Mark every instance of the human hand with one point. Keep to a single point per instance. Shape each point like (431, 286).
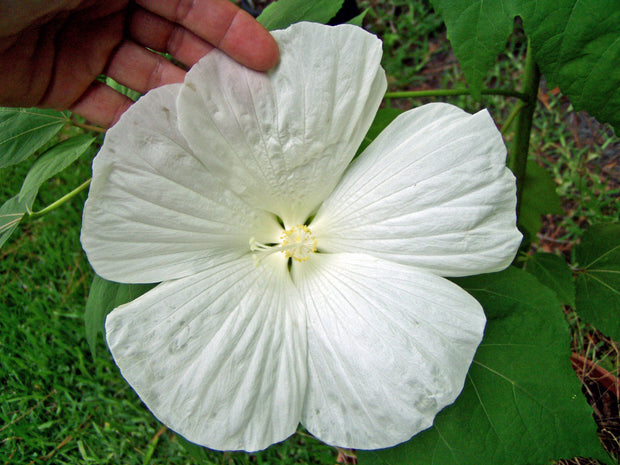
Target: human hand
(51, 52)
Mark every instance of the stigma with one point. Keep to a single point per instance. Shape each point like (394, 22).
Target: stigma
(296, 243)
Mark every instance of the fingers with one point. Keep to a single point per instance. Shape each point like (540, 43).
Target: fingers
(139, 69)
(82, 48)
(162, 35)
(249, 43)
(26, 64)
(187, 29)
(222, 24)
(101, 105)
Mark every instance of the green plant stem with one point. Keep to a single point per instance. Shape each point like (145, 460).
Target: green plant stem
(450, 92)
(88, 127)
(61, 201)
(511, 117)
(523, 126)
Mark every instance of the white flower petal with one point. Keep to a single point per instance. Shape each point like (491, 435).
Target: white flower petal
(154, 212)
(219, 357)
(282, 140)
(389, 347)
(431, 191)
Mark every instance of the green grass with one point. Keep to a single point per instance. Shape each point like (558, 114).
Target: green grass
(59, 405)
(584, 160)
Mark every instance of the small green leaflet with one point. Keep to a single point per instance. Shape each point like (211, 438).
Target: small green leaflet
(283, 13)
(359, 19)
(50, 163)
(522, 403)
(598, 279)
(23, 131)
(121, 89)
(576, 44)
(105, 296)
(54, 161)
(382, 119)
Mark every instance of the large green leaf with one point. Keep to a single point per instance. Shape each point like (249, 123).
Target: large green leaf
(576, 43)
(478, 31)
(539, 198)
(23, 131)
(553, 271)
(522, 403)
(50, 163)
(283, 13)
(105, 296)
(598, 280)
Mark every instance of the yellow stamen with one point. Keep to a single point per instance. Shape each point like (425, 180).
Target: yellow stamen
(296, 243)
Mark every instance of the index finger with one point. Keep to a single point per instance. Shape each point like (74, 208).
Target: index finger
(224, 25)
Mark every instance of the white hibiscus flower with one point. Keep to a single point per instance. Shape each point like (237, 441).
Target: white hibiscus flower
(296, 288)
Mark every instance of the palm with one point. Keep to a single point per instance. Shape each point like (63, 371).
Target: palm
(54, 62)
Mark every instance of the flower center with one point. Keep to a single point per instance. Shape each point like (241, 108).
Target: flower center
(296, 243)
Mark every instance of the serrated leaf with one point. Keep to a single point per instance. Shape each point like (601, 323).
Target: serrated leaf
(53, 161)
(576, 43)
(478, 31)
(105, 296)
(283, 13)
(553, 271)
(23, 131)
(598, 280)
(11, 214)
(539, 198)
(382, 119)
(522, 403)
